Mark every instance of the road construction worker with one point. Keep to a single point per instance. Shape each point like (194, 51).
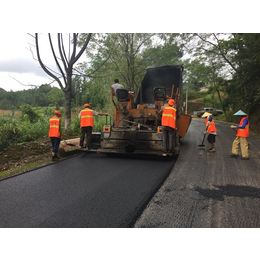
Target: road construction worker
(168, 125)
(55, 133)
(241, 137)
(116, 86)
(211, 130)
(86, 124)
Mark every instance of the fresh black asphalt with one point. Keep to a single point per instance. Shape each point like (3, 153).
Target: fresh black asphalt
(85, 191)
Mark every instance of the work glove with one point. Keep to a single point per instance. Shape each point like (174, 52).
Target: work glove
(205, 132)
(233, 126)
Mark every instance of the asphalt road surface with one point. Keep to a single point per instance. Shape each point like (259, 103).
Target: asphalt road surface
(208, 190)
(85, 191)
(201, 189)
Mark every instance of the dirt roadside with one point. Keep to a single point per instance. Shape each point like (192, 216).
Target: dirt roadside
(26, 156)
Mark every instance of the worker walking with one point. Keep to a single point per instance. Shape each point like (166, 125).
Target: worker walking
(86, 124)
(55, 133)
(241, 137)
(168, 125)
(211, 130)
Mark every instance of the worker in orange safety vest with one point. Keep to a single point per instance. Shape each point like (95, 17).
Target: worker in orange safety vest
(168, 125)
(211, 130)
(55, 133)
(241, 136)
(86, 124)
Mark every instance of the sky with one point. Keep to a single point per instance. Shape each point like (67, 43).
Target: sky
(17, 64)
(18, 68)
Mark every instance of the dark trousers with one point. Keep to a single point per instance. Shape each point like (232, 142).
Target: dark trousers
(167, 133)
(55, 141)
(86, 130)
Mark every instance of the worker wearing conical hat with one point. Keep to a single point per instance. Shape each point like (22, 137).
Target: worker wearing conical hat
(211, 130)
(241, 138)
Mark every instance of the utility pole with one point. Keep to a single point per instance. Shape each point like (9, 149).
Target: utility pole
(186, 105)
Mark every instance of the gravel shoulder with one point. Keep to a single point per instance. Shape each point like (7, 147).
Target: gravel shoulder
(208, 190)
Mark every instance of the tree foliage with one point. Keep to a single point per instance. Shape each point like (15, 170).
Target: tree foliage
(232, 62)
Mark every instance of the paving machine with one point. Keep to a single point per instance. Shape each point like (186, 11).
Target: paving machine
(136, 125)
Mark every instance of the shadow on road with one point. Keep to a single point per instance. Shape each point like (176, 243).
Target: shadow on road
(229, 190)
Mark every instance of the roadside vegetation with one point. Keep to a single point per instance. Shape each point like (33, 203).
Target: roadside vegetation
(32, 123)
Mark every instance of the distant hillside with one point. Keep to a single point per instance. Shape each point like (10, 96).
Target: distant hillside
(2, 90)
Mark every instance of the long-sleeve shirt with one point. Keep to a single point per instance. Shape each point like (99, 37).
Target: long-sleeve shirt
(209, 120)
(245, 122)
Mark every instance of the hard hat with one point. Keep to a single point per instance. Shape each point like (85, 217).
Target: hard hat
(57, 112)
(206, 114)
(171, 102)
(86, 105)
(240, 113)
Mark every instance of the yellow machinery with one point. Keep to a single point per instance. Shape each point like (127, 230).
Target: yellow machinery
(136, 126)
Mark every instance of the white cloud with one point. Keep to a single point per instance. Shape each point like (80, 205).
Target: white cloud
(17, 63)
(21, 65)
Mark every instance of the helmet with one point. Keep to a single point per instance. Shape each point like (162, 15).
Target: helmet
(86, 105)
(240, 113)
(57, 112)
(206, 114)
(171, 102)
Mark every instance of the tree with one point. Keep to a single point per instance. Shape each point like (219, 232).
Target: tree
(65, 64)
(120, 55)
(56, 97)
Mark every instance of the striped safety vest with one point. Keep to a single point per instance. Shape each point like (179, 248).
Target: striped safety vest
(169, 117)
(243, 132)
(54, 124)
(87, 118)
(210, 125)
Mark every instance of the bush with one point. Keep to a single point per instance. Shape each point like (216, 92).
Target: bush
(32, 132)
(9, 134)
(75, 126)
(31, 127)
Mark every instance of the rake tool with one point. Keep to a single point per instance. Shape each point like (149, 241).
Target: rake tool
(202, 144)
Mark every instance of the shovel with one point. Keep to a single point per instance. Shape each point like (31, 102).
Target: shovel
(202, 144)
(68, 143)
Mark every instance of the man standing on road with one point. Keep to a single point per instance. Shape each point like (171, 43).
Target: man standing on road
(86, 124)
(242, 133)
(168, 125)
(55, 133)
(211, 130)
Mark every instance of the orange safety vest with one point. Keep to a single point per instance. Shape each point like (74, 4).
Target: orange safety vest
(54, 124)
(210, 125)
(87, 118)
(243, 132)
(169, 117)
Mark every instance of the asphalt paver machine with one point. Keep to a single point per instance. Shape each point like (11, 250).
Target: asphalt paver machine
(136, 125)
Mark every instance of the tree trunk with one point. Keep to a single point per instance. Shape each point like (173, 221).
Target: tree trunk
(68, 95)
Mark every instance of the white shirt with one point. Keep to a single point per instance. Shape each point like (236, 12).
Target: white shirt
(93, 111)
